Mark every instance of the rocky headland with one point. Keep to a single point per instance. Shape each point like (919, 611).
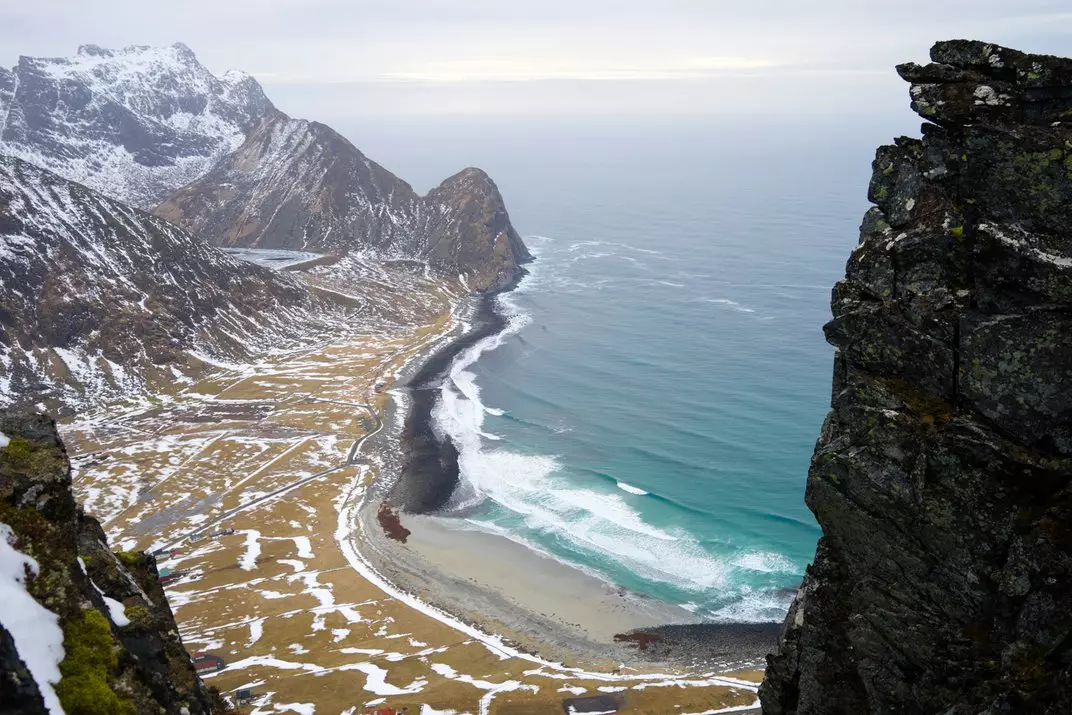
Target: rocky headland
(300, 185)
(941, 479)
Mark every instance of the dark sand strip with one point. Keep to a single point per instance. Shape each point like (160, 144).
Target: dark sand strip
(430, 474)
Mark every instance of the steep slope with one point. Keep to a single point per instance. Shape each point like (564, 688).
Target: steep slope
(99, 300)
(82, 629)
(7, 91)
(943, 475)
(300, 185)
(135, 124)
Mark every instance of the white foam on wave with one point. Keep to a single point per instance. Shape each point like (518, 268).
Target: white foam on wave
(728, 303)
(755, 607)
(588, 244)
(595, 522)
(598, 522)
(764, 562)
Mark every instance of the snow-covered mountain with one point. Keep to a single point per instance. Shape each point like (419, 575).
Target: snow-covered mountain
(152, 126)
(135, 124)
(300, 185)
(100, 300)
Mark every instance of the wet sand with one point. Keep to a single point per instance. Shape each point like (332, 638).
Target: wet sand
(541, 604)
(551, 608)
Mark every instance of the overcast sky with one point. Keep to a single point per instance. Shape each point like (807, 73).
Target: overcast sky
(335, 58)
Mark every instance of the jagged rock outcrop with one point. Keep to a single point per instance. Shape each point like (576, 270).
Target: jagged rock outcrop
(81, 626)
(300, 185)
(134, 124)
(943, 475)
(99, 300)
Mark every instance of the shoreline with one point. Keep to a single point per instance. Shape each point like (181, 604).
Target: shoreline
(518, 596)
(302, 611)
(430, 474)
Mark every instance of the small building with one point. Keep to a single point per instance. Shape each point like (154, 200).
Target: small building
(208, 663)
(245, 696)
(168, 576)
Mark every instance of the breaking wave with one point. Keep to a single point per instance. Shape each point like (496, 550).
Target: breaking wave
(585, 525)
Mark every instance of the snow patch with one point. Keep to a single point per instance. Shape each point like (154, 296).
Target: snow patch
(35, 629)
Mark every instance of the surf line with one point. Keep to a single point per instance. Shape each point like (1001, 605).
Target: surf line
(350, 530)
(346, 535)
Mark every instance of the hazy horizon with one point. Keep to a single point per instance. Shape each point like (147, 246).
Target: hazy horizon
(331, 60)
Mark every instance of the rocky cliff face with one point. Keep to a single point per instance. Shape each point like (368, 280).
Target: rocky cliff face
(82, 630)
(135, 124)
(943, 475)
(99, 300)
(300, 185)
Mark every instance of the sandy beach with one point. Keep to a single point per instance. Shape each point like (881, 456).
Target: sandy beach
(503, 587)
(271, 477)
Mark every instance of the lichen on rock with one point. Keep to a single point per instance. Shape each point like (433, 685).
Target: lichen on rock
(137, 665)
(942, 478)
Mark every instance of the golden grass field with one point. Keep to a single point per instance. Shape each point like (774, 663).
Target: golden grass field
(278, 597)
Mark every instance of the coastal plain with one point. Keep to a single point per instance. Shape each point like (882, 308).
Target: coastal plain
(250, 482)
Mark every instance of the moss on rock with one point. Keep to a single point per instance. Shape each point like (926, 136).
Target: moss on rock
(89, 667)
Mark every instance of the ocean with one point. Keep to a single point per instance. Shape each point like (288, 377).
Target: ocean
(649, 413)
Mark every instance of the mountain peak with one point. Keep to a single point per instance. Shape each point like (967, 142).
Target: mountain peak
(135, 123)
(183, 50)
(301, 185)
(93, 51)
(178, 49)
(470, 177)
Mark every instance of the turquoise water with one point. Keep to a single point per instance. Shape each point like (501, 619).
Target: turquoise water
(650, 414)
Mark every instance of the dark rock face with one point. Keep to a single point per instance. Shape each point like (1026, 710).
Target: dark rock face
(99, 300)
(139, 664)
(134, 124)
(300, 185)
(943, 475)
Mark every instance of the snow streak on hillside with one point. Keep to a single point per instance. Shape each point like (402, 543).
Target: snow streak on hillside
(135, 124)
(99, 300)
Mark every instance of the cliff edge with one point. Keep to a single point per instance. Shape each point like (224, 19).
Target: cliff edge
(83, 631)
(941, 478)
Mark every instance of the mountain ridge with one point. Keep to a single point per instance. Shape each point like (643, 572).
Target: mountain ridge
(103, 301)
(134, 123)
(297, 184)
(154, 128)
